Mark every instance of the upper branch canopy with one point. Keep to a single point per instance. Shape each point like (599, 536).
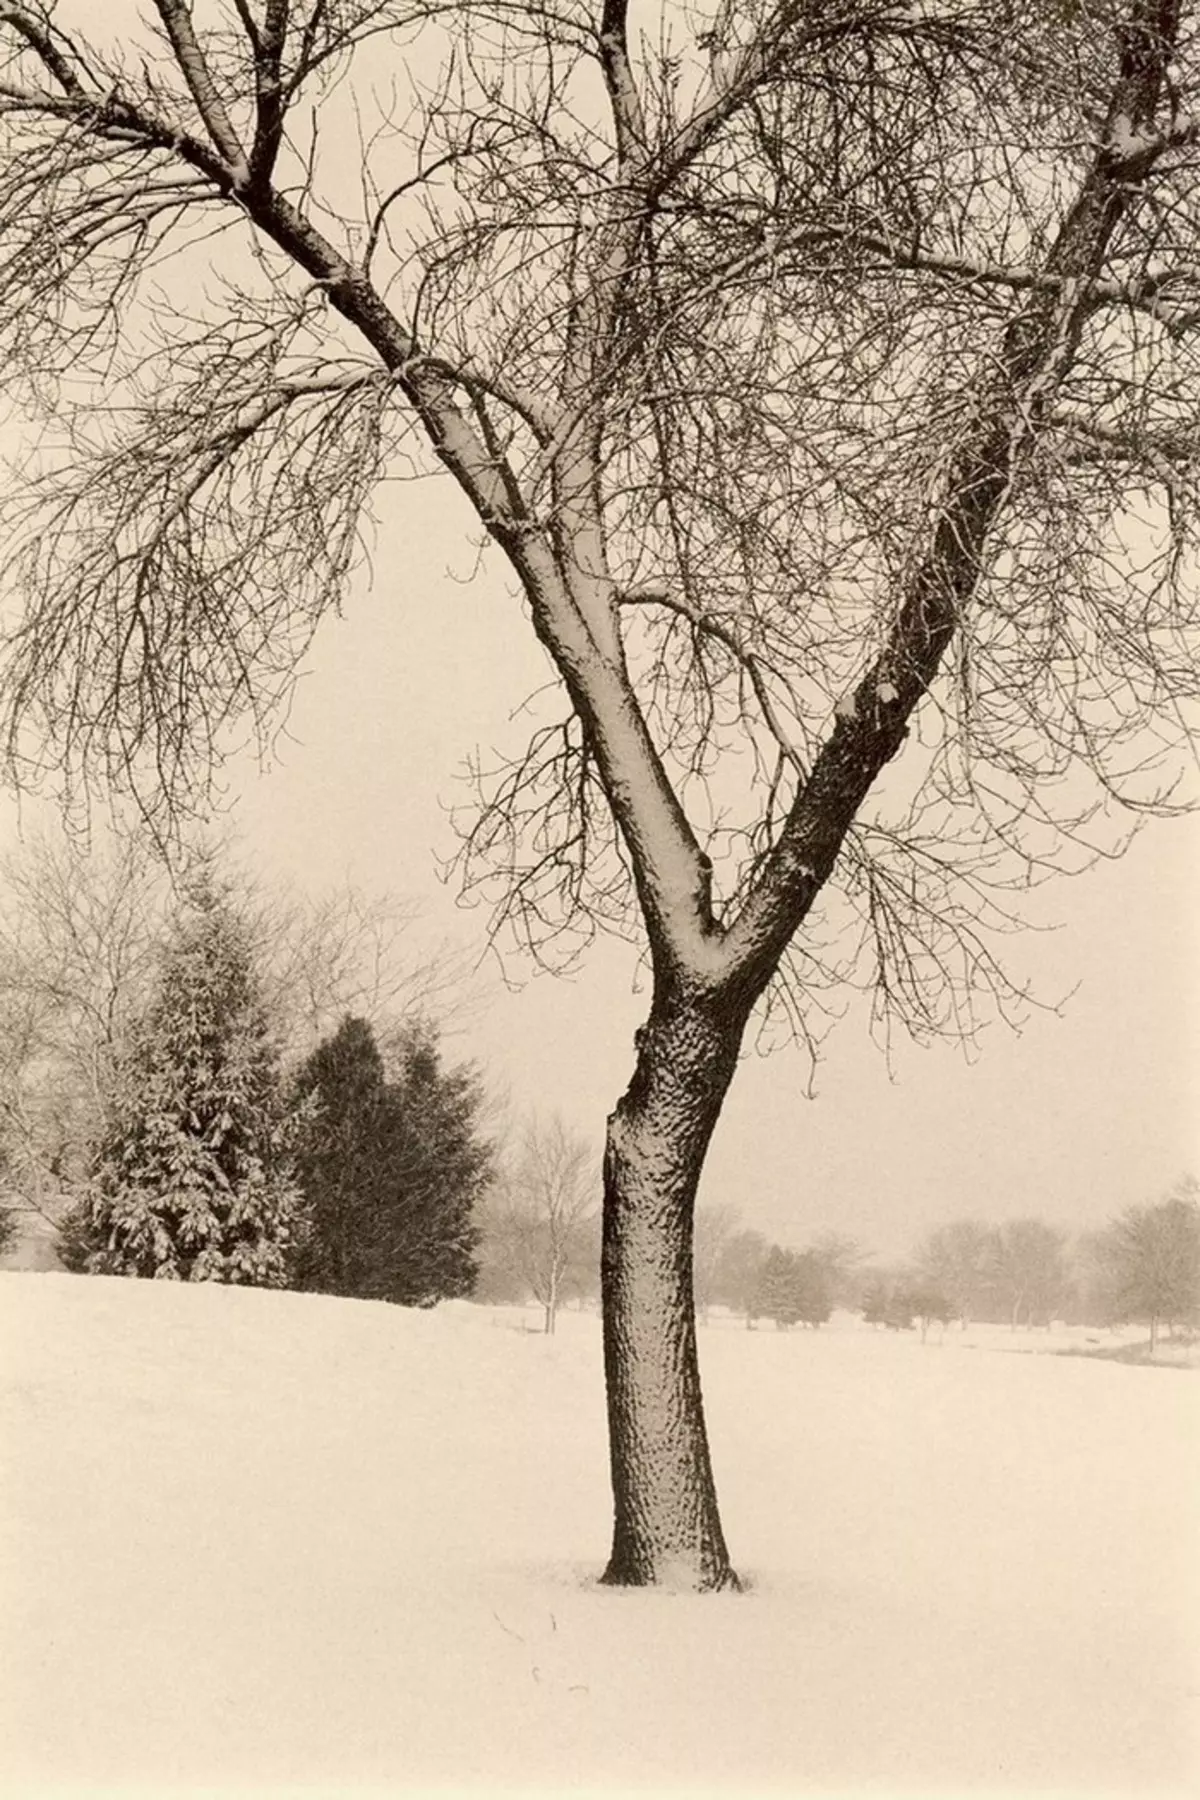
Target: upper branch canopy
(828, 375)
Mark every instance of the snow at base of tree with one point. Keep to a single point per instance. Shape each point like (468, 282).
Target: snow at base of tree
(256, 1539)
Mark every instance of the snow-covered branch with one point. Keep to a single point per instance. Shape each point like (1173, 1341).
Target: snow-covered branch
(177, 19)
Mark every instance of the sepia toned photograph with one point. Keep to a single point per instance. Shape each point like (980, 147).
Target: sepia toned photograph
(599, 940)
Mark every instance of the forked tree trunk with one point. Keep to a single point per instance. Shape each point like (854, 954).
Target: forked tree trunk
(666, 1525)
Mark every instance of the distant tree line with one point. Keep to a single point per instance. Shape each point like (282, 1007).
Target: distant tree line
(1142, 1268)
(745, 1272)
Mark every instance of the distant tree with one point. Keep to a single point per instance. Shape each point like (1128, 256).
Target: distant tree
(927, 1305)
(841, 1259)
(344, 952)
(79, 1243)
(776, 1296)
(898, 1314)
(9, 1224)
(716, 1226)
(1154, 1258)
(192, 1177)
(875, 1303)
(811, 1288)
(446, 1160)
(392, 1168)
(1029, 1269)
(541, 1229)
(792, 1288)
(1097, 1280)
(888, 1300)
(957, 1261)
(739, 1270)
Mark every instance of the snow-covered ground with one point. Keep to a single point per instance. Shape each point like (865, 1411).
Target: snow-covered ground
(256, 1542)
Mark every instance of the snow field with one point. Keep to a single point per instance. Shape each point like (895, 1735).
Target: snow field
(255, 1543)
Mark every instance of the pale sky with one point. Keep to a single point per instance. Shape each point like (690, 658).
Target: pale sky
(1073, 1119)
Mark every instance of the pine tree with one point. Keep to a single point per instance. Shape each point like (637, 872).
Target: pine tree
(342, 1158)
(777, 1296)
(192, 1177)
(392, 1169)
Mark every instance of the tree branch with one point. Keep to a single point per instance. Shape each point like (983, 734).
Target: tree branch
(177, 21)
(40, 41)
(1036, 351)
(619, 79)
(268, 81)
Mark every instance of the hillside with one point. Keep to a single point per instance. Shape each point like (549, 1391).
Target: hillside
(256, 1541)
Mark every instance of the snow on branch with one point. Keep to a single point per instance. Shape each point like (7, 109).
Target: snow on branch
(177, 19)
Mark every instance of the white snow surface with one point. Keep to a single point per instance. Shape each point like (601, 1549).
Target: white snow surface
(261, 1543)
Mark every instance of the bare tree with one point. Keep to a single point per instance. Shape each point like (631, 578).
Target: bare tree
(1151, 1255)
(841, 1260)
(1029, 1271)
(77, 950)
(539, 1222)
(345, 951)
(739, 1274)
(715, 1226)
(957, 1260)
(825, 375)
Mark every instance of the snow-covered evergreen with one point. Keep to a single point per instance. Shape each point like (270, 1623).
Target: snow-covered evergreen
(192, 1177)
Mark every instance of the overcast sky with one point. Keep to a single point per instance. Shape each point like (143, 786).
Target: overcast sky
(1073, 1119)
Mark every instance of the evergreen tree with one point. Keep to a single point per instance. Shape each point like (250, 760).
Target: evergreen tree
(392, 1169)
(192, 1178)
(778, 1295)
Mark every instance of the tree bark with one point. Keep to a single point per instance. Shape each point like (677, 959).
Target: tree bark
(667, 1529)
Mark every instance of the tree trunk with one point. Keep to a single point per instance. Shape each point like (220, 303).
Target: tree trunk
(666, 1525)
